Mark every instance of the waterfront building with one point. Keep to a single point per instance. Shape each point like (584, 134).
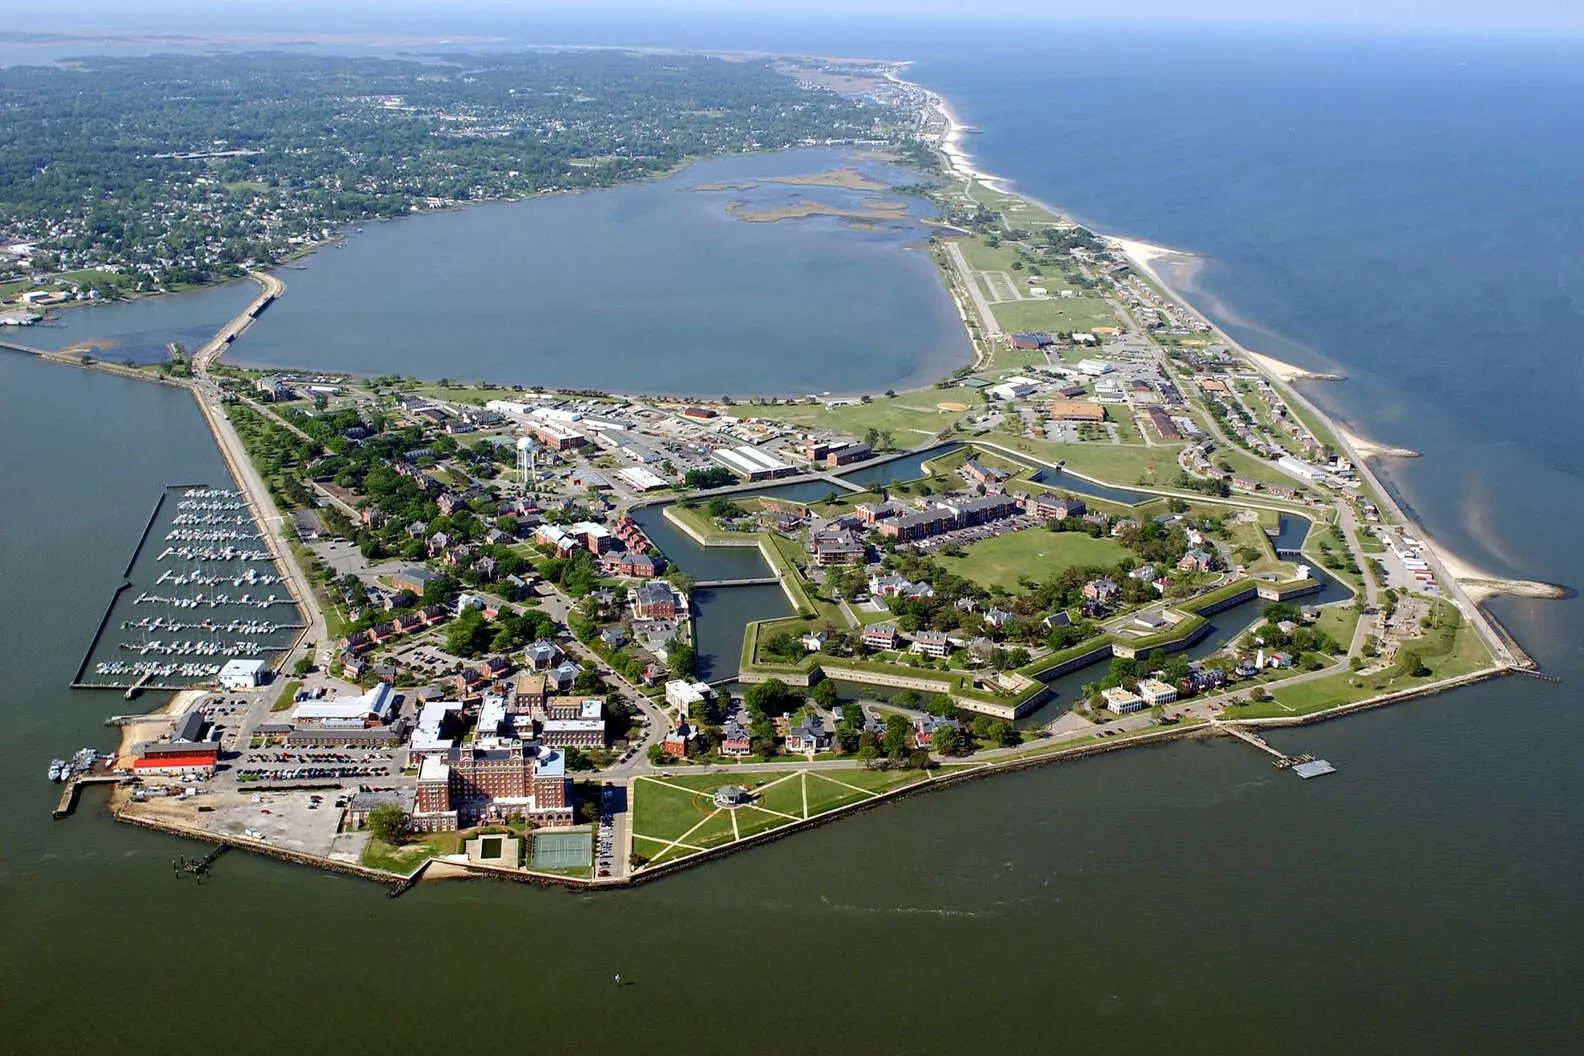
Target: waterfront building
(655, 600)
(1120, 701)
(468, 785)
(242, 674)
(1156, 692)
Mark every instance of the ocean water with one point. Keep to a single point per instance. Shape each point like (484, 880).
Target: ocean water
(1373, 207)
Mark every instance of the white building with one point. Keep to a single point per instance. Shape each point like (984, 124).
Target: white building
(1155, 692)
(1295, 467)
(1095, 367)
(1013, 389)
(683, 695)
(640, 479)
(1119, 701)
(242, 674)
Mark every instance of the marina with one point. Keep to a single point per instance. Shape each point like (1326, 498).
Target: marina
(202, 589)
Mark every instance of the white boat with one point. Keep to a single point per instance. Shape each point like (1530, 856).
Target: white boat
(55, 769)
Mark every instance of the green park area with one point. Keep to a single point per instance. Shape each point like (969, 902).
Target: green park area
(403, 858)
(674, 817)
(910, 416)
(1119, 464)
(1448, 648)
(1006, 560)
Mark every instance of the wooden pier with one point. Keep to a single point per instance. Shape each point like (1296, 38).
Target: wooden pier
(1303, 765)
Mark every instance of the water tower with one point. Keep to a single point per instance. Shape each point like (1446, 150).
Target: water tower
(527, 461)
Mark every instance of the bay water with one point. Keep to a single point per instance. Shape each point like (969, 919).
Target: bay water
(1406, 212)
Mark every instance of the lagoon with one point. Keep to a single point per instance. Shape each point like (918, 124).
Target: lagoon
(650, 287)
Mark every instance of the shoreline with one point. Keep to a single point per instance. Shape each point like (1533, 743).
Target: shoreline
(1472, 583)
(1466, 587)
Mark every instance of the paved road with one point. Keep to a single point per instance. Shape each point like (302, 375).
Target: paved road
(261, 503)
(992, 328)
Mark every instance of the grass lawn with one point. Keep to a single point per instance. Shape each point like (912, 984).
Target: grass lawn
(283, 700)
(909, 416)
(872, 780)
(714, 832)
(698, 519)
(1339, 621)
(1127, 426)
(1252, 535)
(1069, 313)
(1119, 464)
(404, 859)
(1449, 648)
(665, 808)
(1034, 553)
(785, 797)
(751, 821)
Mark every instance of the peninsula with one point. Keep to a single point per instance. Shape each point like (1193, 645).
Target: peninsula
(1115, 526)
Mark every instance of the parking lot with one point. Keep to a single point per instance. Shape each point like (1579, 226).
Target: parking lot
(964, 536)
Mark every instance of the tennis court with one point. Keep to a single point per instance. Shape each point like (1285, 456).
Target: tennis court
(562, 850)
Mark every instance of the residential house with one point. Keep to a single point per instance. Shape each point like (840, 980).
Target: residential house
(808, 737)
(879, 636)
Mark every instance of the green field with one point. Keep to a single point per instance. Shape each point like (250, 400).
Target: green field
(1034, 553)
(1449, 648)
(910, 416)
(1119, 464)
(378, 854)
(1076, 313)
(666, 810)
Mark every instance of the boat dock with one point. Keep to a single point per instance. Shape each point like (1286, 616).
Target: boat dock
(1305, 766)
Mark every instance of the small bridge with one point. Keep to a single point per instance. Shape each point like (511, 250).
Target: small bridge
(758, 581)
(1289, 552)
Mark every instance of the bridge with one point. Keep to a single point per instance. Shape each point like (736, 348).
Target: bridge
(757, 581)
(1289, 552)
(272, 288)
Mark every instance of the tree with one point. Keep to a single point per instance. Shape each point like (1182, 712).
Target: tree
(1408, 663)
(656, 755)
(305, 664)
(945, 739)
(906, 699)
(898, 738)
(387, 822)
(679, 658)
(824, 694)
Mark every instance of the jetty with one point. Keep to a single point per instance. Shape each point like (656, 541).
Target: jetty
(1304, 766)
(68, 797)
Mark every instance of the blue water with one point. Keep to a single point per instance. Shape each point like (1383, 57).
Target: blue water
(1408, 212)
